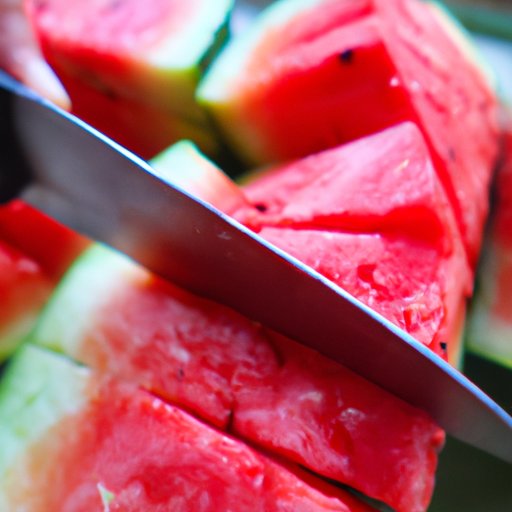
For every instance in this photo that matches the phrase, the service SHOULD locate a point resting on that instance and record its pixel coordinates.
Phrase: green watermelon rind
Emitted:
(193, 46)
(37, 390)
(83, 291)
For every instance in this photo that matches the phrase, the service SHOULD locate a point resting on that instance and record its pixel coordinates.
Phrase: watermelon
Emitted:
(51, 244)
(176, 384)
(20, 55)
(131, 68)
(489, 331)
(24, 288)
(135, 451)
(117, 318)
(312, 74)
(373, 217)
(35, 252)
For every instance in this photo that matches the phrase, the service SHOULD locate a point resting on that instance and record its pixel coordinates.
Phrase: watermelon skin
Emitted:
(184, 166)
(128, 65)
(135, 453)
(489, 331)
(314, 74)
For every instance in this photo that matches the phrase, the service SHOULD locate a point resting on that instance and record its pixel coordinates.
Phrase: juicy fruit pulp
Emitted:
(35, 252)
(135, 453)
(489, 330)
(314, 74)
(118, 319)
(372, 216)
(131, 68)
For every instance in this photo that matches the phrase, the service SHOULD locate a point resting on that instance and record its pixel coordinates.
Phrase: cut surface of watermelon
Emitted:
(313, 74)
(118, 319)
(24, 288)
(35, 252)
(131, 68)
(51, 244)
(135, 452)
(372, 216)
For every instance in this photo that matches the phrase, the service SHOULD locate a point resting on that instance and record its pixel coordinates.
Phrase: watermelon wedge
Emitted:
(35, 252)
(312, 74)
(135, 452)
(24, 288)
(489, 331)
(372, 216)
(123, 322)
(131, 68)
(51, 244)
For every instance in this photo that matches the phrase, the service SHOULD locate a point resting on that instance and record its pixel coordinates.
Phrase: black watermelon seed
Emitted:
(346, 56)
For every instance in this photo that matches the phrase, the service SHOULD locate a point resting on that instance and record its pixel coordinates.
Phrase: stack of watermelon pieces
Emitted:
(130, 393)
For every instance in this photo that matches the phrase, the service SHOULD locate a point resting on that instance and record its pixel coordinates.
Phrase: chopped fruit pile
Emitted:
(376, 135)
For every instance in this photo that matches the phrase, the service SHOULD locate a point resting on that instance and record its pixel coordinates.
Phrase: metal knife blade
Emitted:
(83, 179)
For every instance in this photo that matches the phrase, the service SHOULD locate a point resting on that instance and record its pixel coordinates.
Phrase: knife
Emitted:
(75, 174)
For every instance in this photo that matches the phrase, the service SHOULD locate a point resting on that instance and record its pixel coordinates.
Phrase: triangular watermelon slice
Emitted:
(117, 318)
(373, 217)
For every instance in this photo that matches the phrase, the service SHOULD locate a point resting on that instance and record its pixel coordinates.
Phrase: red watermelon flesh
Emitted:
(130, 67)
(202, 356)
(321, 415)
(373, 217)
(183, 348)
(320, 76)
(51, 244)
(24, 288)
(489, 330)
(144, 129)
(135, 452)
(502, 219)
(383, 183)
(407, 282)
